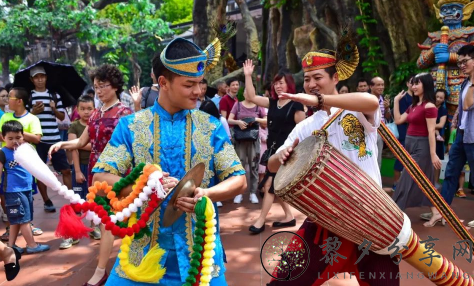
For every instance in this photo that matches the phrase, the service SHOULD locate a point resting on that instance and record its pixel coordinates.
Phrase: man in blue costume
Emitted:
(175, 136)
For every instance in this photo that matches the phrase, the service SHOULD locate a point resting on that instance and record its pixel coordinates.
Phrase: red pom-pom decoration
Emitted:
(97, 209)
(105, 219)
(116, 230)
(102, 213)
(122, 232)
(109, 225)
(136, 228)
(85, 207)
(149, 210)
(141, 223)
(77, 208)
(145, 217)
(129, 231)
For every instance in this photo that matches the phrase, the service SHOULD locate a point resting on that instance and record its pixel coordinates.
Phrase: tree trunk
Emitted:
(137, 70)
(205, 14)
(253, 44)
(5, 66)
(271, 67)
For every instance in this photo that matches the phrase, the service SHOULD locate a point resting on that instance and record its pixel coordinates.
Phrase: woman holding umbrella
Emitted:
(108, 84)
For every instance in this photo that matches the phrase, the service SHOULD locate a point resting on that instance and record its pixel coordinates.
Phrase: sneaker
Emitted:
(49, 207)
(470, 224)
(460, 193)
(238, 199)
(95, 233)
(219, 204)
(68, 243)
(39, 248)
(4, 217)
(253, 199)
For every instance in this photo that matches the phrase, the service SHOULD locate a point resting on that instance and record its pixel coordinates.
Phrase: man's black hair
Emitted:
(331, 71)
(467, 50)
(11, 126)
(362, 80)
(231, 80)
(23, 94)
(85, 99)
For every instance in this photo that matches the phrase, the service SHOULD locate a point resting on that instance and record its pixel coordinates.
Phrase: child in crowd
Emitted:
(17, 100)
(80, 158)
(18, 193)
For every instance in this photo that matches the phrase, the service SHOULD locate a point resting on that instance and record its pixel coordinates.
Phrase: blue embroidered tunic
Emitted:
(176, 143)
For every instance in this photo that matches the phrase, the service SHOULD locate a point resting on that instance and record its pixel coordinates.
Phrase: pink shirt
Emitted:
(257, 112)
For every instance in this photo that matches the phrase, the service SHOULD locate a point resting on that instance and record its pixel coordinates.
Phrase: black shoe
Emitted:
(284, 224)
(49, 207)
(255, 230)
(12, 269)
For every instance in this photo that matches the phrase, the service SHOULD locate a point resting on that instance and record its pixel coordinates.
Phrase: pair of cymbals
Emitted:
(184, 188)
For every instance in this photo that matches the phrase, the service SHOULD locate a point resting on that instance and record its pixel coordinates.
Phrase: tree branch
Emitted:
(103, 3)
(323, 28)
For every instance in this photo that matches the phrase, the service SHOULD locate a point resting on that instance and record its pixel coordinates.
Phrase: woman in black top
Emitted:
(283, 115)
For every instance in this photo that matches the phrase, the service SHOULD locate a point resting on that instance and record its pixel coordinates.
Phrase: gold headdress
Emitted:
(195, 66)
(345, 58)
(466, 11)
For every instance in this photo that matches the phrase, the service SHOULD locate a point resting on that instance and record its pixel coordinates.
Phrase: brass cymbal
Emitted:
(185, 188)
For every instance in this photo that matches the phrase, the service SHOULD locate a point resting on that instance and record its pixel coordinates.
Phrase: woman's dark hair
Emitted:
(85, 99)
(111, 74)
(343, 85)
(175, 51)
(290, 82)
(429, 94)
(11, 126)
(210, 108)
(8, 86)
(22, 94)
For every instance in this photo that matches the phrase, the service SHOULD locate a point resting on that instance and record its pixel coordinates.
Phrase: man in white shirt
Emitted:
(354, 133)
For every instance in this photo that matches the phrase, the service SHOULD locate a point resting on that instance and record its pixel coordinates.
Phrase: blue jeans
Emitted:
(458, 154)
(81, 189)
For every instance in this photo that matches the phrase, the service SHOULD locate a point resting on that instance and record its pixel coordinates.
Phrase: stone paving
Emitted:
(74, 266)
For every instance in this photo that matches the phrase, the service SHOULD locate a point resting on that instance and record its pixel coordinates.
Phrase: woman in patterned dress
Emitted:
(108, 84)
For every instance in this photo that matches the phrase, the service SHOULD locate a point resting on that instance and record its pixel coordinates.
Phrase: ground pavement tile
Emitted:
(75, 266)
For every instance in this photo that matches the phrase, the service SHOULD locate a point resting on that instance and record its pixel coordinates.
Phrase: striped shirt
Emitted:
(47, 117)
(382, 108)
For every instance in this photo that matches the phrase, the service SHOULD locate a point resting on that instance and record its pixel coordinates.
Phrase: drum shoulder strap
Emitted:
(332, 119)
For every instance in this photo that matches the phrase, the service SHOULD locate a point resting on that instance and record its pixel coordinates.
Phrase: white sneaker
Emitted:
(253, 199)
(219, 204)
(67, 243)
(238, 199)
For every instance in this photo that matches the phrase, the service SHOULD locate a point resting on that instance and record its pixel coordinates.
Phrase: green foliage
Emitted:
(177, 11)
(400, 76)
(14, 64)
(374, 55)
(119, 30)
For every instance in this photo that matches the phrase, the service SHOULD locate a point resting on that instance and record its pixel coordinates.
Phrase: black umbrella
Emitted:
(62, 79)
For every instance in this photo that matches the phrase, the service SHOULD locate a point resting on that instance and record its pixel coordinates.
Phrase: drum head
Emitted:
(300, 162)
